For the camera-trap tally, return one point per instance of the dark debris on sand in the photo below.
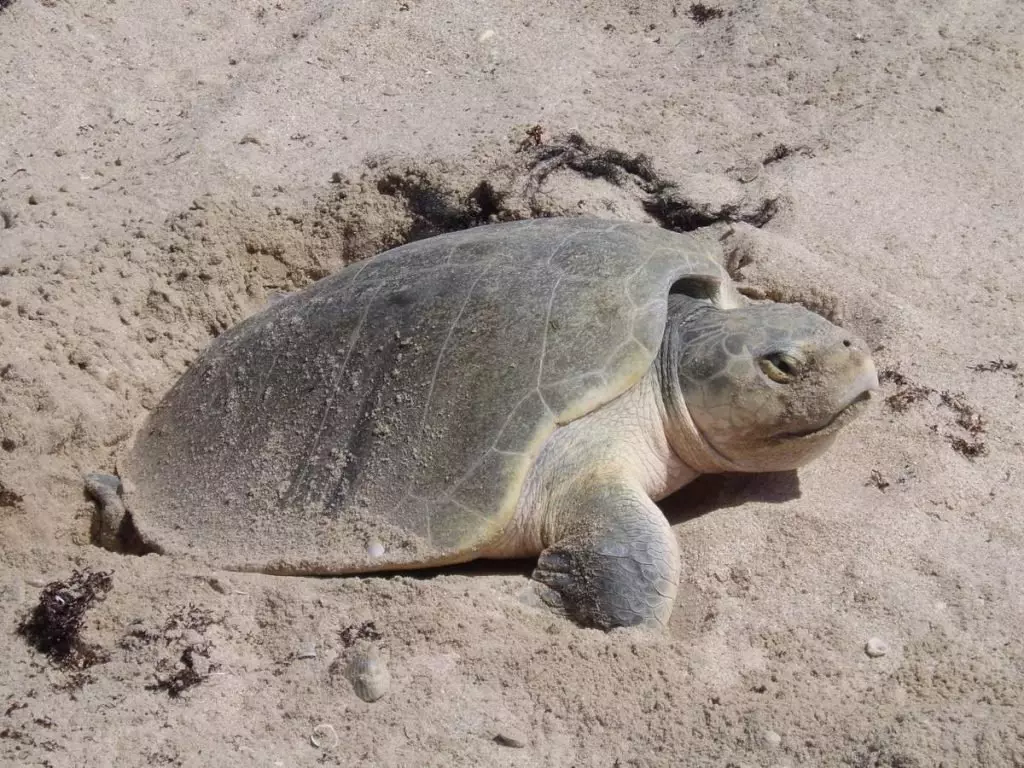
(55, 624)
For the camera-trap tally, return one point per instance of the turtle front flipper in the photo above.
(615, 562)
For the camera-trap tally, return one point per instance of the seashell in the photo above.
(749, 172)
(369, 675)
(324, 736)
(306, 651)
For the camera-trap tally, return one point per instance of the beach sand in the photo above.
(167, 168)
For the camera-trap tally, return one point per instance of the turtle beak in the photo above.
(854, 398)
(865, 382)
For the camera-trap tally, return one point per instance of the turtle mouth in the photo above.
(840, 419)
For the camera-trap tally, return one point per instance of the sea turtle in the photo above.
(505, 391)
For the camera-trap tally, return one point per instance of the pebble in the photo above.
(307, 651)
(375, 549)
(219, 584)
(191, 637)
(876, 647)
(772, 739)
(509, 738)
(369, 675)
(197, 663)
(324, 736)
(749, 172)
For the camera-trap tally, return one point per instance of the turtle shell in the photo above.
(387, 416)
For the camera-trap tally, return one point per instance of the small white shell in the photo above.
(369, 674)
(324, 736)
(876, 647)
(375, 549)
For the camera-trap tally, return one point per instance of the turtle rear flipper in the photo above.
(112, 526)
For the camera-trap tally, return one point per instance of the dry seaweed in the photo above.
(187, 675)
(355, 632)
(55, 624)
(702, 14)
(965, 415)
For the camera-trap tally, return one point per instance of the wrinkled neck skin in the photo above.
(682, 433)
(638, 440)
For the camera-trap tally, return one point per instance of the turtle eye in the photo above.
(780, 367)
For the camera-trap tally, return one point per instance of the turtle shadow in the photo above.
(712, 492)
(522, 566)
(705, 494)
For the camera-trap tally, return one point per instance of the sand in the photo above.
(167, 168)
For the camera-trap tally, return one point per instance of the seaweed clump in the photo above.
(54, 627)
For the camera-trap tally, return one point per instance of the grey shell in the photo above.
(387, 416)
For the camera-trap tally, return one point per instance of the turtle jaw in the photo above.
(844, 416)
(861, 394)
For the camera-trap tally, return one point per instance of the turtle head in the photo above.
(760, 388)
